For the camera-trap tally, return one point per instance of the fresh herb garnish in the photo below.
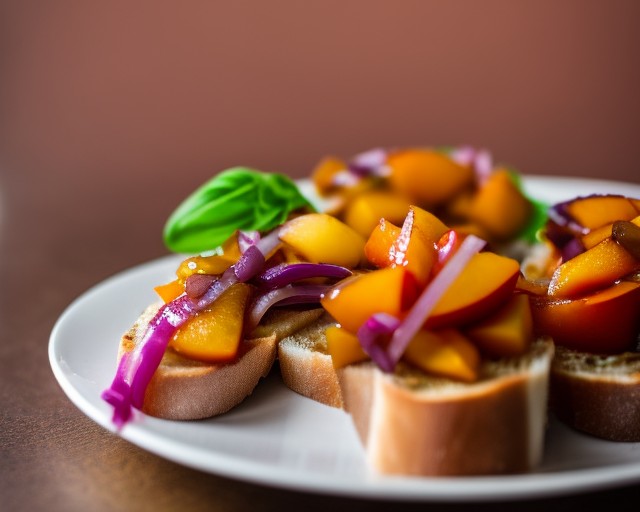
(236, 199)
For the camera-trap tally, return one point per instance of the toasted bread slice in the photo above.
(414, 424)
(597, 394)
(305, 365)
(186, 389)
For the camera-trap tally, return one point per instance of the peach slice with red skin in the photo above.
(409, 246)
(378, 247)
(486, 282)
(591, 270)
(506, 333)
(594, 237)
(607, 321)
(353, 300)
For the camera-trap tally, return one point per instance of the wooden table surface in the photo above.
(111, 113)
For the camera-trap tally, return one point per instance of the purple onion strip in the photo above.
(287, 273)
(423, 307)
(374, 336)
(304, 294)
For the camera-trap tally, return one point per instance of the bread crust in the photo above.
(306, 367)
(597, 395)
(186, 389)
(423, 426)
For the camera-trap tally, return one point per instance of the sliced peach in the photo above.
(487, 282)
(324, 173)
(428, 176)
(606, 321)
(413, 250)
(595, 236)
(170, 291)
(353, 300)
(431, 226)
(446, 352)
(364, 212)
(598, 210)
(321, 238)
(213, 265)
(343, 347)
(214, 335)
(500, 207)
(378, 246)
(591, 270)
(506, 333)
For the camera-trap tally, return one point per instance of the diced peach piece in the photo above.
(487, 282)
(321, 238)
(500, 207)
(431, 226)
(170, 291)
(364, 212)
(446, 353)
(506, 333)
(323, 174)
(594, 269)
(606, 321)
(214, 334)
(427, 176)
(595, 236)
(595, 211)
(413, 250)
(212, 265)
(343, 347)
(378, 246)
(353, 300)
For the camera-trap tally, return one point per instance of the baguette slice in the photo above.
(186, 389)
(305, 365)
(413, 424)
(597, 394)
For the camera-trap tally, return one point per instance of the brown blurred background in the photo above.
(159, 96)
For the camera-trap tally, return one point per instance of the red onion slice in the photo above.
(369, 163)
(287, 273)
(247, 238)
(374, 336)
(249, 264)
(423, 307)
(304, 294)
(137, 367)
(480, 161)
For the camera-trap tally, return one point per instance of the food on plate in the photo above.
(205, 345)
(587, 298)
(460, 185)
(430, 298)
(441, 375)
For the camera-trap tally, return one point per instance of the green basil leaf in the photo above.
(539, 209)
(238, 198)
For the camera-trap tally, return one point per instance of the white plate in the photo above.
(280, 439)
